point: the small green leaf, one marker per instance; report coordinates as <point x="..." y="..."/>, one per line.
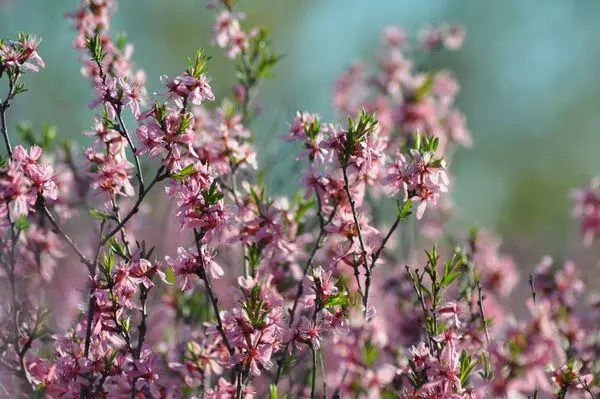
<point x="404" y="209"/>
<point x="426" y="87"/>
<point x="273" y="391"/>
<point x="22" y="223"/>
<point x="183" y="173"/>
<point x="96" y="214"/>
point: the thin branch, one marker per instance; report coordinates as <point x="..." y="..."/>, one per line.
<point x="354" y="213"/>
<point x="58" y="229"/>
<point x="198" y="236"/>
<point x="375" y="256"/>
<point x="136" y="207"/>
<point x="532" y="287"/>
<point x="3" y="107"/>
<point x="480" y="304"/>
<point x="138" y="168"/>
<point x="314" y="373"/>
<point x="318" y="244"/>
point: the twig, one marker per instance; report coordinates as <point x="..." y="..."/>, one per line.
<point x="123" y="131"/>
<point x="64" y="235"/>
<point x="136" y="207"/>
<point x="480" y="304"/>
<point x="314" y="372"/>
<point x="318" y="244"/>
<point x="375" y="256"/>
<point x="198" y="236"/>
<point x="532" y="287"/>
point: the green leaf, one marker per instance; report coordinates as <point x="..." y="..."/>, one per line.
<point x="449" y="278"/>
<point x="426" y="87"/>
<point x="121" y="41"/>
<point x="22" y="223"/>
<point x="185" y="172"/>
<point x="370" y="354"/>
<point x="338" y="300"/>
<point x="94" y="46"/>
<point x="273" y="391"/>
<point x="48" y="136"/>
<point x="198" y="65"/>
<point x="96" y="214"/>
<point x="404" y="209"/>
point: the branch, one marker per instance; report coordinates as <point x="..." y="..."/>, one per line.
<point x="59" y="230"/>
<point x="375" y="256"/>
<point x="318" y="244"/>
<point x="138" y="168"/>
<point x="480" y="304"/>
<point x="198" y="236"/>
<point x="136" y="207"/>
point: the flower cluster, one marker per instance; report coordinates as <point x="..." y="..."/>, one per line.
<point x="219" y="287"/>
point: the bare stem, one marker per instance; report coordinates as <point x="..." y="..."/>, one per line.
<point x="136" y="207"/>
<point x="375" y="256"/>
<point x="318" y="244"/>
<point x="314" y="373"/>
<point x="138" y="168"/>
<point x="483" y="320"/>
<point x="199" y="235"/>
<point x="59" y="230"/>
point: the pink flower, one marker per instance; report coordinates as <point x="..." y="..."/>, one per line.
<point x="186" y="267"/>
<point x="226" y="26"/>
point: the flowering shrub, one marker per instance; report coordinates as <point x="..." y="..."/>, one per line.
<point x="264" y="296"/>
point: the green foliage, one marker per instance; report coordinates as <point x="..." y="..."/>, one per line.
<point x="213" y="194"/>
<point x="22" y="223"/>
<point x="94" y="46"/>
<point x="198" y="65"/>
<point x="467" y="364"/>
<point x="185" y="172"/>
<point x="28" y="136"/>
<point x="357" y="132"/>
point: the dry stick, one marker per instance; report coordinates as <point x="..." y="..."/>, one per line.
<point x="64" y="235"/>
<point x="4" y="130"/>
<point x="198" y="236"/>
<point x="587" y="388"/>
<point x="417" y="287"/>
<point x="360" y="239"/>
<point x="138" y="169"/>
<point x="3" y="107"/>
<point x="532" y="286"/>
<point x="480" y="304"/>
<point x="323" y="373"/>
<point x="375" y="256"/>
<point x="136" y="207"/>
<point x="314" y="372"/>
<point x="318" y="244"/>
<point x="354" y="214"/>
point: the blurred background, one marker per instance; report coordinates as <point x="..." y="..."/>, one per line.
<point x="528" y="72"/>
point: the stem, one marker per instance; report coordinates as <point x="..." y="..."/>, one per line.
<point x="314" y="373"/>
<point x="138" y="168"/>
<point x="136" y="207"/>
<point x="323" y="373"/>
<point x="143" y="322"/>
<point x="5" y="131"/>
<point x="532" y="287"/>
<point x="354" y="214"/>
<point x="59" y="230"/>
<point x="319" y="243"/>
<point x="375" y="256"/>
<point x="199" y="235"/>
<point x="480" y="304"/>
<point x="3" y="107"/>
